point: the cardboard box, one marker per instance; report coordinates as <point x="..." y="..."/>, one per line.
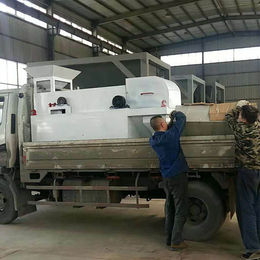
<point x="217" y="112"/>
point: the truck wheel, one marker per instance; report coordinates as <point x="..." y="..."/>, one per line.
<point x="7" y="211"/>
<point x="206" y="212"/>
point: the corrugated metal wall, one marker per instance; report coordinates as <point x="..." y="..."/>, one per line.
<point x="21" y="41"/>
<point x="241" y="78"/>
<point x="24" y="42"/>
<point x="209" y="44"/>
<point x="232" y="43"/>
<point x="66" y="48"/>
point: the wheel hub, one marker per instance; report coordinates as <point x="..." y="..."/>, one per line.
<point x="197" y="211"/>
<point x="2" y="201"/>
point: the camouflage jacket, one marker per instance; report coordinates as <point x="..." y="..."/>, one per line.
<point x="247" y="138"/>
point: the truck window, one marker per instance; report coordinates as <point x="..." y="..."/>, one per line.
<point x="2" y="99"/>
<point x="43" y="86"/>
<point x="61" y="85"/>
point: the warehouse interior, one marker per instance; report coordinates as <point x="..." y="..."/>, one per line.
<point x="213" y="42"/>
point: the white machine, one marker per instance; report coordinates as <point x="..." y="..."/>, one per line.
<point x="63" y="113"/>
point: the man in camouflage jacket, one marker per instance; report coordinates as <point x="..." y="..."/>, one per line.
<point x="244" y="122"/>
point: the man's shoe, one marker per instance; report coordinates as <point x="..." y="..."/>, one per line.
<point x="166" y="243"/>
<point x="178" y="247"/>
<point x="254" y="256"/>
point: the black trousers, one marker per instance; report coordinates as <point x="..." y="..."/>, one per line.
<point x="176" y="207"/>
<point x="248" y="208"/>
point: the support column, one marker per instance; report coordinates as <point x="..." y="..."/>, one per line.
<point x="123" y="46"/>
<point x="96" y="48"/>
<point x="51" y="32"/>
<point x="144" y="63"/>
<point x="203" y="66"/>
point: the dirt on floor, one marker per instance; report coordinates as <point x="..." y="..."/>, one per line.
<point x="62" y="233"/>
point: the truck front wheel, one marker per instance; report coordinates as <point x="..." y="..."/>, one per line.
<point x="7" y="210"/>
<point x="206" y="212"/>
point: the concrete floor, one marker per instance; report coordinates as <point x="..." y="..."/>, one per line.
<point x="74" y="234"/>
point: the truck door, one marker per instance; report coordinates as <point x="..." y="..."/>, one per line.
<point x="3" y="117"/>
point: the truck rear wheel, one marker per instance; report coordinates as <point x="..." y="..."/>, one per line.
<point x="206" y="212"/>
<point x="7" y="210"/>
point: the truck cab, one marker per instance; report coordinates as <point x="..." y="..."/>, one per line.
<point x="8" y="127"/>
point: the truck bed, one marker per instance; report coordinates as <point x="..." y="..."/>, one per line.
<point x="202" y="152"/>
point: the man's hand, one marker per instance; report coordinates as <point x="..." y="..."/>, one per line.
<point x="171" y="117"/>
<point x="242" y="103"/>
<point x="172" y="114"/>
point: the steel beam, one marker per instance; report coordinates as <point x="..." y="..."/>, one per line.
<point x="144" y="6"/>
<point x="104" y="4"/>
<point x="124" y="69"/>
<point x="82" y="204"/>
<point x="165" y="24"/>
<point x="242" y="17"/>
<point x="184" y="10"/>
<point x="238" y="8"/>
<point x="103" y="16"/>
<point x="99" y="188"/>
<point x="191" y="25"/>
<point x="253" y="4"/>
<point x="146" y="10"/>
<point x="180" y="23"/>
<point x="205" y="39"/>
<point x="141" y="18"/>
<point x="204" y="15"/>
<point x="220" y="8"/>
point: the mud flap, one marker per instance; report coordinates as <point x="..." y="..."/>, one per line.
<point x="21" y="197"/>
<point x="23" y="207"/>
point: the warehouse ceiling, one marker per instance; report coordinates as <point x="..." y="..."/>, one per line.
<point x="155" y="23"/>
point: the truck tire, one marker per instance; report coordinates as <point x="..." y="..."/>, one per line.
<point x="206" y="212"/>
<point x="7" y="210"/>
